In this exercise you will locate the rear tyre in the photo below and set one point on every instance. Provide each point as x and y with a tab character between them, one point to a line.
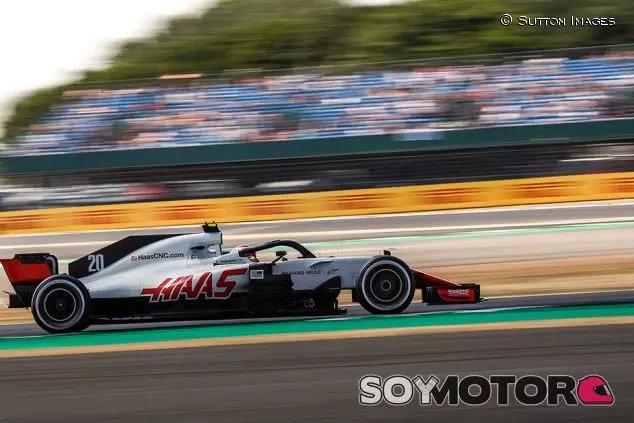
385	286
61	304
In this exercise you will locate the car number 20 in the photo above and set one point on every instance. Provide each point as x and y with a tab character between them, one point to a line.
95	263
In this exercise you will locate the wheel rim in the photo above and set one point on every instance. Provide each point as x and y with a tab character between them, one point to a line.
59	305
386	286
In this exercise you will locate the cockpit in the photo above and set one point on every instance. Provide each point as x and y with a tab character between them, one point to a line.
212	247
252	256
280	244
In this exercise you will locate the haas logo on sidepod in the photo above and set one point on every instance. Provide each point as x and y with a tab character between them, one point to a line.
171	289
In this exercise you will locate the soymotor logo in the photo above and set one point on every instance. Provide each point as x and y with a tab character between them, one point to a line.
157	256
478	390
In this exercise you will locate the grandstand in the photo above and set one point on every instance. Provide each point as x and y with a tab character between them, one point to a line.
310	105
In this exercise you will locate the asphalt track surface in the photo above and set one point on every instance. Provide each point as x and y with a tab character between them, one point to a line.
313	381
563	300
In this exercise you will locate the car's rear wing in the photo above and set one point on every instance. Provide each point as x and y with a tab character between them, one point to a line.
25	272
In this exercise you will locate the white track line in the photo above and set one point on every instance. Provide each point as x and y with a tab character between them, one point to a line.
500	209
554	294
593	204
373	232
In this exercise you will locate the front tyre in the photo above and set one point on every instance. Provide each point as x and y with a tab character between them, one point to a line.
61	304
385	286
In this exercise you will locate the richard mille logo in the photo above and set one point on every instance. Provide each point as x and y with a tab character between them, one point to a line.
302	272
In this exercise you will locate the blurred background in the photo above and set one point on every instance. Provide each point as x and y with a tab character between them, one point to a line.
136	101
252	97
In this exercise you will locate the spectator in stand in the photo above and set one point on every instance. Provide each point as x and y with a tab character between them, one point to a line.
316	106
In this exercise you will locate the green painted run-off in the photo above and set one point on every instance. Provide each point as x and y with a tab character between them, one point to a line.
312	326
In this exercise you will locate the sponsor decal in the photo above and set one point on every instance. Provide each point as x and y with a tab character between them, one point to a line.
544	189
360	201
302	272
459	293
189	288
456	295
618	185
18	223
179	212
477	390
270	207
257	274
158	256
332	271
108	216
228	261
450	196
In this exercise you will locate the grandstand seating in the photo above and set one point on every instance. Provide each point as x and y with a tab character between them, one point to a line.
533	91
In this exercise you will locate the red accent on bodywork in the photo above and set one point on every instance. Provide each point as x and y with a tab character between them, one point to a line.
18	272
425	279
155	292
168	289
192	292
171	290
228	286
208	287
457	295
177	288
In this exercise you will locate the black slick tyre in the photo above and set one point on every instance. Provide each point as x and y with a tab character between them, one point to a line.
61	304
385	286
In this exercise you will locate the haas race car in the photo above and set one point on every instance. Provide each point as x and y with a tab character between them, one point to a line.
190	276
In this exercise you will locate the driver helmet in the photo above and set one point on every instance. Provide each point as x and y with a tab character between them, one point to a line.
252	256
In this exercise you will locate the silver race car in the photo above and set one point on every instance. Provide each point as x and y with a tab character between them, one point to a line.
190	276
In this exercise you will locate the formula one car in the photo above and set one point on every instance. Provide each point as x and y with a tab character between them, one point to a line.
190	276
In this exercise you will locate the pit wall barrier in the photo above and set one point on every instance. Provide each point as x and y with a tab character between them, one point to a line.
323	204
